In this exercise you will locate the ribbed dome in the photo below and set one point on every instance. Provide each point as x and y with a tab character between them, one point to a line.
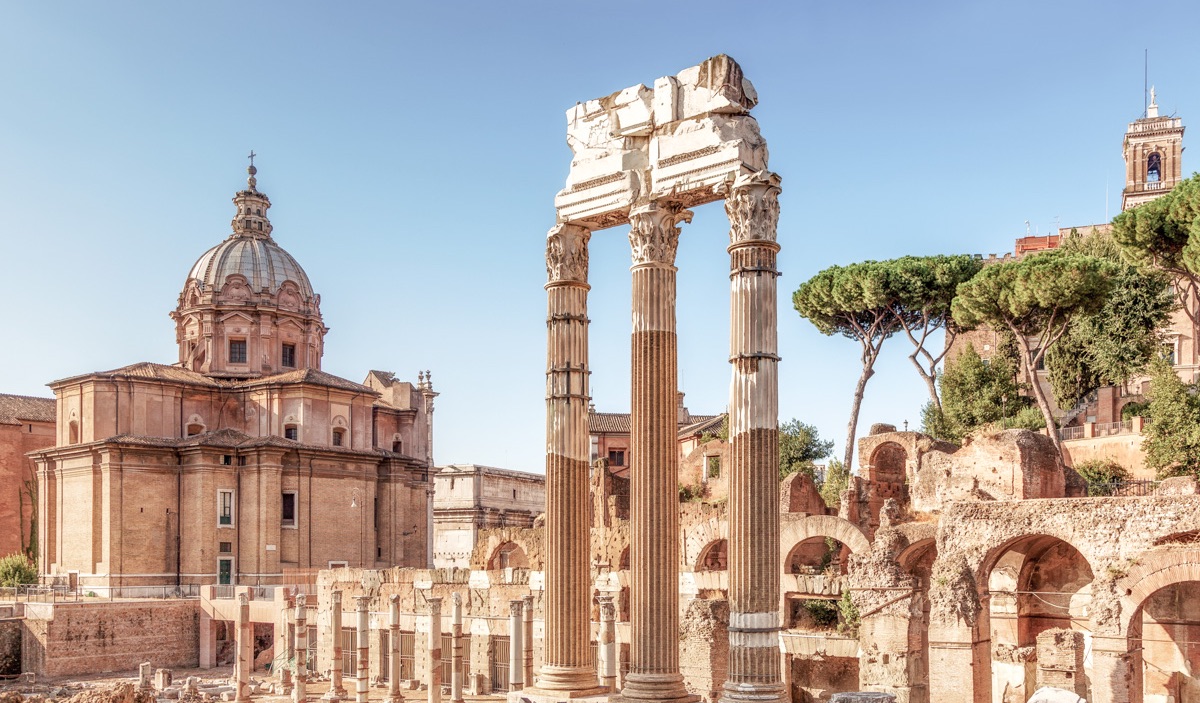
263	262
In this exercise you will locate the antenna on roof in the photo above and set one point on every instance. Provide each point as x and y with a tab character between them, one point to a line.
1146	83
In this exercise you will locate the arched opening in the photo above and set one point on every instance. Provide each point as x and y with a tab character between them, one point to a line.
816	556
715	557
1153	167
508	555
73	432
917	561
623	563
1039	590
194	429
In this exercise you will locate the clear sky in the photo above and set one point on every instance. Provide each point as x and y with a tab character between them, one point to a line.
412	153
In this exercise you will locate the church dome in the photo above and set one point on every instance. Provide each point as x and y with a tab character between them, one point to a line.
263	263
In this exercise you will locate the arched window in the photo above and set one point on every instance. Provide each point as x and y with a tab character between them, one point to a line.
1153	166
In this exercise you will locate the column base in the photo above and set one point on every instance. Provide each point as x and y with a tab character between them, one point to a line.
333	695
654	688
754	693
533	694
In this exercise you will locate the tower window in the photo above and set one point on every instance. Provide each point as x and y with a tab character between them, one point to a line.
288	511
224	507
289	356
291	432
1153	167
339	437
237	351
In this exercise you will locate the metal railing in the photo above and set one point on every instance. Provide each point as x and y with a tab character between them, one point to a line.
1126	488
1071	433
43	593
1107	429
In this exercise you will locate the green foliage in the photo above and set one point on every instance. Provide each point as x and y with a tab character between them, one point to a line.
849	615
1035	298
799	446
1101	475
1027	418
692	493
837	479
17	569
1172	437
824	613
975	393
1118	340
1165	231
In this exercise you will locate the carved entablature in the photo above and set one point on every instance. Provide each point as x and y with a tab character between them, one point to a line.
752	204
680	139
567	253
654	232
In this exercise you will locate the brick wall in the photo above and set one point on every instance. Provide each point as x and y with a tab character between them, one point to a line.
16	472
84	638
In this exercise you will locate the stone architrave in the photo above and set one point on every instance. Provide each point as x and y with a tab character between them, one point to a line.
654	475
433	677
516	646
245	650
754	673
456	660
300	687
363	658
336	691
393	695
567	668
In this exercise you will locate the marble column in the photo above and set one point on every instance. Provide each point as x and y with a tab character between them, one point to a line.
754	622
393	695
336	691
528	640
566	669
433	677
244	645
300	688
362	677
516	647
456	661
654	476
608	642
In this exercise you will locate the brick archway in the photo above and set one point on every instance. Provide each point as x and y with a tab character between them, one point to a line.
700	536
844	531
1155	570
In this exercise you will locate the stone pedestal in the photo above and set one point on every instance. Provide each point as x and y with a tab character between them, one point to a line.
300	687
362	683
336	691
754	620
567	670
654	476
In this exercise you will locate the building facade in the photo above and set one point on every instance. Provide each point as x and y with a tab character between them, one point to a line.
26	424
243	462
468	498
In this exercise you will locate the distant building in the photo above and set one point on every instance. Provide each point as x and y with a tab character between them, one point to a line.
468	498
610	434
244	462
26	424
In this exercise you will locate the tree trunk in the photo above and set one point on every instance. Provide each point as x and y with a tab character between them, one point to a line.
1038	394
930	381
852	427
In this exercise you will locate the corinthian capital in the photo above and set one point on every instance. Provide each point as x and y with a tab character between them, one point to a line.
567	253
752	204
654	232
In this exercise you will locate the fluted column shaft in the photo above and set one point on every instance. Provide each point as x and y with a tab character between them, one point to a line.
516	646
245	649
754	673
433	677
336	690
300	687
456	657
363	656
654	495
528	640
608	642
567	666
394	695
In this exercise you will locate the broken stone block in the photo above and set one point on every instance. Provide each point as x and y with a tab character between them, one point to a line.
162	679
863	697
145	675
228	696
1049	694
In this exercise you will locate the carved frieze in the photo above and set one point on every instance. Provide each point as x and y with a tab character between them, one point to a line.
752	204
654	232
567	253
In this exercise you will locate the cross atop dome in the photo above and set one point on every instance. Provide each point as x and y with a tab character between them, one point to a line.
252	205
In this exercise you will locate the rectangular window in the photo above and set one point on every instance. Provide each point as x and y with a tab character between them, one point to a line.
339	437
349	652
291	433
226	547
714	467
616	457
224	507
237	351
289	356
288	512
385	655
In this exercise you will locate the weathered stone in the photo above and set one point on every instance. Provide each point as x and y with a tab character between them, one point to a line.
1055	695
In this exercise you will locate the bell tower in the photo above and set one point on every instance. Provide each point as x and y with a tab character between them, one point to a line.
1152	149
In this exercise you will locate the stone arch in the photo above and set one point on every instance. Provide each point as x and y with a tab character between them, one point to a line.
844	531
714	557
994	554
508	554
888	463
623	560
1154	571
699	536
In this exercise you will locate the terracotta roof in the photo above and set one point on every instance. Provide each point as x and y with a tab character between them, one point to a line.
17	408
620	423
711	424
152	371
233	439
310	376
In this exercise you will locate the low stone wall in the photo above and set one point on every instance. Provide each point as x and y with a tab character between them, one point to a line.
10	647
70	639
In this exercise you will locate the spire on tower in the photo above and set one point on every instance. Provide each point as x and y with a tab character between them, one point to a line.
252	181
251	218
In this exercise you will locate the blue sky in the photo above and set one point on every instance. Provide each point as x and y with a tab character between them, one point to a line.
412	153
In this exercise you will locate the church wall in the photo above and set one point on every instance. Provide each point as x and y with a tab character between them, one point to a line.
17	481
